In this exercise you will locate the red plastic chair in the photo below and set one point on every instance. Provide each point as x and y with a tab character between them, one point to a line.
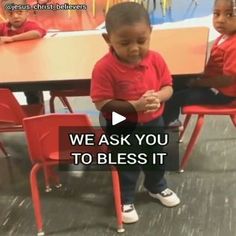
12	114
62	95
201	111
42	135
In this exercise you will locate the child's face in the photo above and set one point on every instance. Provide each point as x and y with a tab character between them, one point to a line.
130	42
223	20
16	17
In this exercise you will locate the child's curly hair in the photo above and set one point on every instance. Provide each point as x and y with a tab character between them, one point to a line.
233	2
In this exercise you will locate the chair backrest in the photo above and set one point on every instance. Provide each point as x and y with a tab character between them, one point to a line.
45	134
10	109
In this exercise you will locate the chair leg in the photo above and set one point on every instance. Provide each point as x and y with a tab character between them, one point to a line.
51	178
36	198
66	103
63	100
192	142
117	198
46	172
4	150
233	118
51	104
186	121
54	177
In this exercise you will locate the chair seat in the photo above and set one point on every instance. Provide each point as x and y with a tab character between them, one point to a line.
29	110
12	113
201	111
46	152
227	109
10	127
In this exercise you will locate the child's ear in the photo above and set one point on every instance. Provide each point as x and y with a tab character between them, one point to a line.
106	38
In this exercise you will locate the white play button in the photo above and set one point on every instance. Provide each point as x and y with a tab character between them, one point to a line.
117	118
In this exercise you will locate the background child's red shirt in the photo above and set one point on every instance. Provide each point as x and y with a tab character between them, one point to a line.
5	29
222	61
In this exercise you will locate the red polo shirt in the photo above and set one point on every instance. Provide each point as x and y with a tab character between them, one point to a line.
112	79
222	61
5	28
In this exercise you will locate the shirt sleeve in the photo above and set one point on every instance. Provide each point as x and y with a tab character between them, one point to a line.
229	67
163	71
35	26
101	84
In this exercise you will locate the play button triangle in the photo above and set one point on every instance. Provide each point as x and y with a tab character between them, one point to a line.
117	118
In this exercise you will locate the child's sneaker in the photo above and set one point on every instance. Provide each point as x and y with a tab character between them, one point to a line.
129	214
167	197
175	126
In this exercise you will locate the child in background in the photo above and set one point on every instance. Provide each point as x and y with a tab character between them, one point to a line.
218	84
18	28
132	73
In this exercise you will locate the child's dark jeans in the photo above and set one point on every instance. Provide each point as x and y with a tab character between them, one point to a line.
154	175
192	96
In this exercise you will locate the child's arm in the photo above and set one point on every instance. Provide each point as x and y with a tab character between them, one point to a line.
32	34
99	105
156	98
164	93
147	102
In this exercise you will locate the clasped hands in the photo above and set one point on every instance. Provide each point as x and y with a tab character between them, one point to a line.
149	102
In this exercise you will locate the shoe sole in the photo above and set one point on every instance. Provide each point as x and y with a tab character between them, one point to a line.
130	222
157	199
168	206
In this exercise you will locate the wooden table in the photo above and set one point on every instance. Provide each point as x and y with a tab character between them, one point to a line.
67	62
